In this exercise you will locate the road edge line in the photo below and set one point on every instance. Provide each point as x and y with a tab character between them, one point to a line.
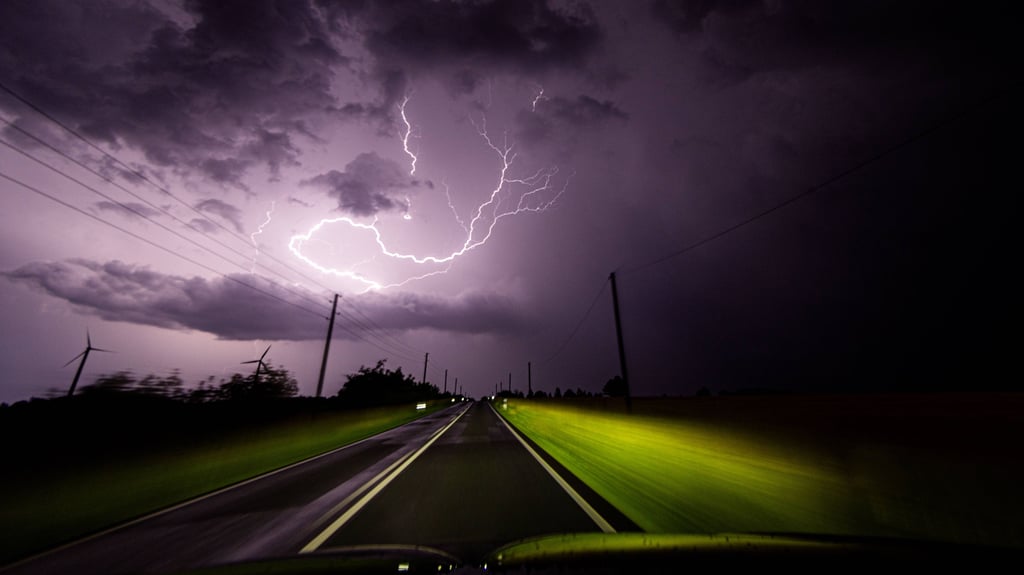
349	513
596	517
181	504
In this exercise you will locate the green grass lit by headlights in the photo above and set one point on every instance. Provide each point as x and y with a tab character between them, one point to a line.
43	511
674	476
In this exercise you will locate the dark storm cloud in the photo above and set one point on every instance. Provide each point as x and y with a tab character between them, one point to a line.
742	37
117	291
369	184
551	115
466	41
223	209
205	226
583	111
473	312
128	209
220	90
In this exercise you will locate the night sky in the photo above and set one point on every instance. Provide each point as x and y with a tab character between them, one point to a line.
479	168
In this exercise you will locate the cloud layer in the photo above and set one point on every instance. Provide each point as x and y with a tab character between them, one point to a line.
369	184
117	291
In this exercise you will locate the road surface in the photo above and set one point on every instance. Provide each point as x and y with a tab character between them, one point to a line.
458	480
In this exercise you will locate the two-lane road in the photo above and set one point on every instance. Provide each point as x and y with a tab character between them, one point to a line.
458	480
476	488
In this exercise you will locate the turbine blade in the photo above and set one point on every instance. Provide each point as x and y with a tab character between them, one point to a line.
104	350
265	353
88	340
73	360
253	361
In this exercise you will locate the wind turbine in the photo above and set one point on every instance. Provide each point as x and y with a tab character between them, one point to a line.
84	355
259	363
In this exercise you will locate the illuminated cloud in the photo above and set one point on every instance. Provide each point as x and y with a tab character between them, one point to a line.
369	184
226	211
118	291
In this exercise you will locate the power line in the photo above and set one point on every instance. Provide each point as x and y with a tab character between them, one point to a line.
579	324
144	178
131	193
164	190
835	178
153	243
144	215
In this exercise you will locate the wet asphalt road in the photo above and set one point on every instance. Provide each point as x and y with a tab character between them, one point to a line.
474	488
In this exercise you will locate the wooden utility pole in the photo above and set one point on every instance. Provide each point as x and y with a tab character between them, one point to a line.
426	356
446	381
510	383
529	379
618	336
327	347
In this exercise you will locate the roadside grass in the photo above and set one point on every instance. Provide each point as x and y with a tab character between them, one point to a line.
796	465
39	510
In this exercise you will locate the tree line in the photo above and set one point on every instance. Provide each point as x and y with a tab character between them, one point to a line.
368	386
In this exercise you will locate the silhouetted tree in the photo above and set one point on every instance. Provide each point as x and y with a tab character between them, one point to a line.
615	387
379	386
169	387
558	393
272	384
703	392
119	383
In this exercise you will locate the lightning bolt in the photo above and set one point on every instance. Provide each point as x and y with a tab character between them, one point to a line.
540	96
510	196
408	134
451	205
259	231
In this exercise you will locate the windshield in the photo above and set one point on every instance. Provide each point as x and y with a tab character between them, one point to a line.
454	283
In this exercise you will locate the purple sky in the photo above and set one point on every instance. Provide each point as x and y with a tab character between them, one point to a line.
479	168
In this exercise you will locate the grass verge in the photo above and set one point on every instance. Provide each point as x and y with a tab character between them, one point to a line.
41	510
796	465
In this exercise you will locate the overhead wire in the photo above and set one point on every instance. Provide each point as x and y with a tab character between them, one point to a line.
231	278
579	324
922	134
145	216
167	192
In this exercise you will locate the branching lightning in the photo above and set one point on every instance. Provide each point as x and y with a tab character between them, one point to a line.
259	231
451	205
540	96
408	134
510	196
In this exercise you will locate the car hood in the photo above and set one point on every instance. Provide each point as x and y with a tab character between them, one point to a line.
635	553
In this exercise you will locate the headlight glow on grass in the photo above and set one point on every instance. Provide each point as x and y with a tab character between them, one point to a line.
671	476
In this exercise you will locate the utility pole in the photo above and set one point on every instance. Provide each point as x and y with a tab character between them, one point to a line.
457	386
446	381
529	380
495	390
426	356
618	336
510	383
327	346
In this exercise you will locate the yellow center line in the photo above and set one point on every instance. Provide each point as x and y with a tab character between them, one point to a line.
393	471
586	507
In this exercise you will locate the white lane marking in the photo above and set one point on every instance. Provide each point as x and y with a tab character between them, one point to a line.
590	511
392	472
178	506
